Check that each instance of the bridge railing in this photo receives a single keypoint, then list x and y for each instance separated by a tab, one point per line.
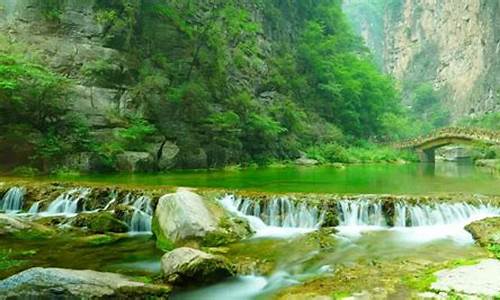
469	133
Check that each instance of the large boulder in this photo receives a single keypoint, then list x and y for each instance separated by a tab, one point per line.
185	218
55	283
165	153
187	266
167	156
486	231
130	161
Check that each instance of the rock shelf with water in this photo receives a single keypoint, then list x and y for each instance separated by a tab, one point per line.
278	246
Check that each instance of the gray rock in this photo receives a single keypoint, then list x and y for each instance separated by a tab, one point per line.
47	283
481	279
9	224
304	161
185	218
132	162
186	266
165	154
81	162
454	153
168	156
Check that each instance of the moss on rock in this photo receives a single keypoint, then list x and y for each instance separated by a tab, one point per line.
100	222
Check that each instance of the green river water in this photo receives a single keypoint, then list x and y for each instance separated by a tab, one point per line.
442	177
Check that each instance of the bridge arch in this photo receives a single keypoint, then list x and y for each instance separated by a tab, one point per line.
426	146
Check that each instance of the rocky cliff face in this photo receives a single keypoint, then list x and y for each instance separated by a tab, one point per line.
454	44
70	41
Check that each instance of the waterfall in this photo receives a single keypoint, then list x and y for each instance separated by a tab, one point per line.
142	216
34	208
12	201
412	222
441	214
114	197
361	213
280	218
67	202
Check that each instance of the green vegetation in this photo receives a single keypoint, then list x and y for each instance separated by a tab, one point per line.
36	124
6	261
361	153
423	280
495	249
489	121
320	86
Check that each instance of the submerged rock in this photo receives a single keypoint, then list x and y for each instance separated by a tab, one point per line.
184	218
48	283
482	279
100	222
486	231
186	266
9	224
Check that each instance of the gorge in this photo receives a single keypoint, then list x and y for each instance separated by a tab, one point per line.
249	149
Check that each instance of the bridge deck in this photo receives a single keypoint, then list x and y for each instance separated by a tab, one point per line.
451	135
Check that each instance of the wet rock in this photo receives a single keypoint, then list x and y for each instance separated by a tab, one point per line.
481	279
186	266
486	231
167	156
55	283
186	218
304	161
100	222
9	224
493	164
131	161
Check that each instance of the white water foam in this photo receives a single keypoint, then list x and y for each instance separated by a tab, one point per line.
283	217
67	203
417	223
12	201
142	216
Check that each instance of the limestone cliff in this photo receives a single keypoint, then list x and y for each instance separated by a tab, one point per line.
454	44
71	42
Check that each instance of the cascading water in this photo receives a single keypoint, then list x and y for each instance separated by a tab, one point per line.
361	213
34	208
12	201
67	202
114	197
441	214
414	222
280	218
142	216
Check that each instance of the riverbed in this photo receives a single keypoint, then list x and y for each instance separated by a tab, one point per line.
370	249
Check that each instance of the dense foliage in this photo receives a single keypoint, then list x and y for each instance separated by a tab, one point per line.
214	79
228	82
36	122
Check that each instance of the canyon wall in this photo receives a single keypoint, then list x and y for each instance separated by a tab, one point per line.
452	44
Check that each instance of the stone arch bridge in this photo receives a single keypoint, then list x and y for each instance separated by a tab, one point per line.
425	146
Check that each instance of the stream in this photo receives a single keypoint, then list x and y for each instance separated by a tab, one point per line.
415	234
